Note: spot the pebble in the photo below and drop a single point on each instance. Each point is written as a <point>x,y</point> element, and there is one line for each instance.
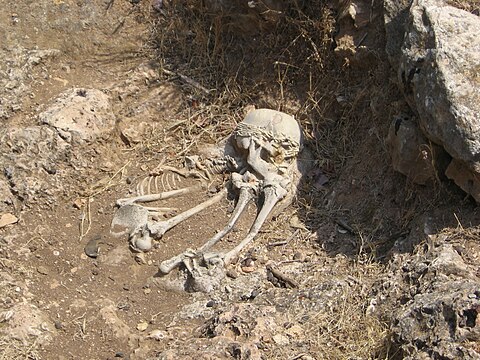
<point>248,269</point>
<point>92,248</point>
<point>281,340</point>
<point>58,325</point>
<point>142,326</point>
<point>147,291</point>
<point>299,256</point>
<point>140,259</point>
<point>232,274</point>
<point>211,303</point>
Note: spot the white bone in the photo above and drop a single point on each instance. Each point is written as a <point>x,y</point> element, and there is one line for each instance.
<point>272,196</point>
<point>159,196</point>
<point>142,239</point>
<point>247,190</point>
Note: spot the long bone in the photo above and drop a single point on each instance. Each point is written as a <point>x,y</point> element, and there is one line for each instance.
<point>141,239</point>
<point>247,185</point>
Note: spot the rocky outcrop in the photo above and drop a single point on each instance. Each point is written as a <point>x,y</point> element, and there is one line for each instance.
<point>439,76</point>
<point>436,53</point>
<point>433,300</point>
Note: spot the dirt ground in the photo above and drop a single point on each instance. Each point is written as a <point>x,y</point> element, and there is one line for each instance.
<point>334,240</point>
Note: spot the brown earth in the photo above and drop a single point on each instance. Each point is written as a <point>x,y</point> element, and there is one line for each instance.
<point>351,215</point>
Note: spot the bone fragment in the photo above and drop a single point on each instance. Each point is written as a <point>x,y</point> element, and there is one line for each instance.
<point>160,228</point>
<point>273,194</point>
<point>159,196</point>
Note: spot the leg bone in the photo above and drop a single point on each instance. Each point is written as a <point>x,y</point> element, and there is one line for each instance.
<point>159,196</point>
<point>273,194</point>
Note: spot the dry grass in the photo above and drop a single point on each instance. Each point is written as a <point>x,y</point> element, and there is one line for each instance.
<point>472,6</point>
<point>288,65</point>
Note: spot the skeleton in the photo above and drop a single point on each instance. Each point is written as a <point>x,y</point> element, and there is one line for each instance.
<point>262,153</point>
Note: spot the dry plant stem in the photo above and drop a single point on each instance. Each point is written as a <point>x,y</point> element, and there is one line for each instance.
<point>159,196</point>
<point>188,80</point>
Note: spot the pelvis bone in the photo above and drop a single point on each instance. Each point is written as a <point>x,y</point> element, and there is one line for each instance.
<point>264,149</point>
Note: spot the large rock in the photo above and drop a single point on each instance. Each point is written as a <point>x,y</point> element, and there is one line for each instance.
<point>439,76</point>
<point>411,152</point>
<point>468,180</point>
<point>83,114</point>
<point>441,324</point>
<point>395,13</point>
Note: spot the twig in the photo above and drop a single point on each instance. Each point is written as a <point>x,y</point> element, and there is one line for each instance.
<point>344,225</point>
<point>278,243</point>
<point>188,80</point>
<point>282,277</point>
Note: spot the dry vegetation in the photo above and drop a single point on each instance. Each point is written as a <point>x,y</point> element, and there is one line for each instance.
<point>287,64</point>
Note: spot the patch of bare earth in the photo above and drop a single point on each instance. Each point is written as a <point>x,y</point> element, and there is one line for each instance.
<point>178,78</point>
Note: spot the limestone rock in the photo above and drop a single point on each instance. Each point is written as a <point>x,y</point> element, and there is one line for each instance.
<point>83,114</point>
<point>441,323</point>
<point>410,151</point>
<point>468,180</point>
<point>439,76</point>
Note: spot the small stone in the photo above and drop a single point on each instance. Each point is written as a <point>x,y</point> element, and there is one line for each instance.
<point>7,219</point>
<point>147,291</point>
<point>95,272</point>
<point>58,325</point>
<point>231,273</point>
<point>119,354</point>
<point>73,270</point>
<point>56,252</point>
<point>248,269</point>
<point>126,287</point>
<point>142,326</point>
<point>78,203</point>
<point>281,340</point>
<point>299,256</point>
<point>211,303</point>
<point>156,335</point>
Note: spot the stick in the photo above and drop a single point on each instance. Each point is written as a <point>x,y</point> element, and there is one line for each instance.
<point>282,277</point>
<point>188,80</point>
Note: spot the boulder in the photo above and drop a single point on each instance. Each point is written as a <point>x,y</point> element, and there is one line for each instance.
<point>438,73</point>
<point>441,324</point>
<point>395,13</point>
